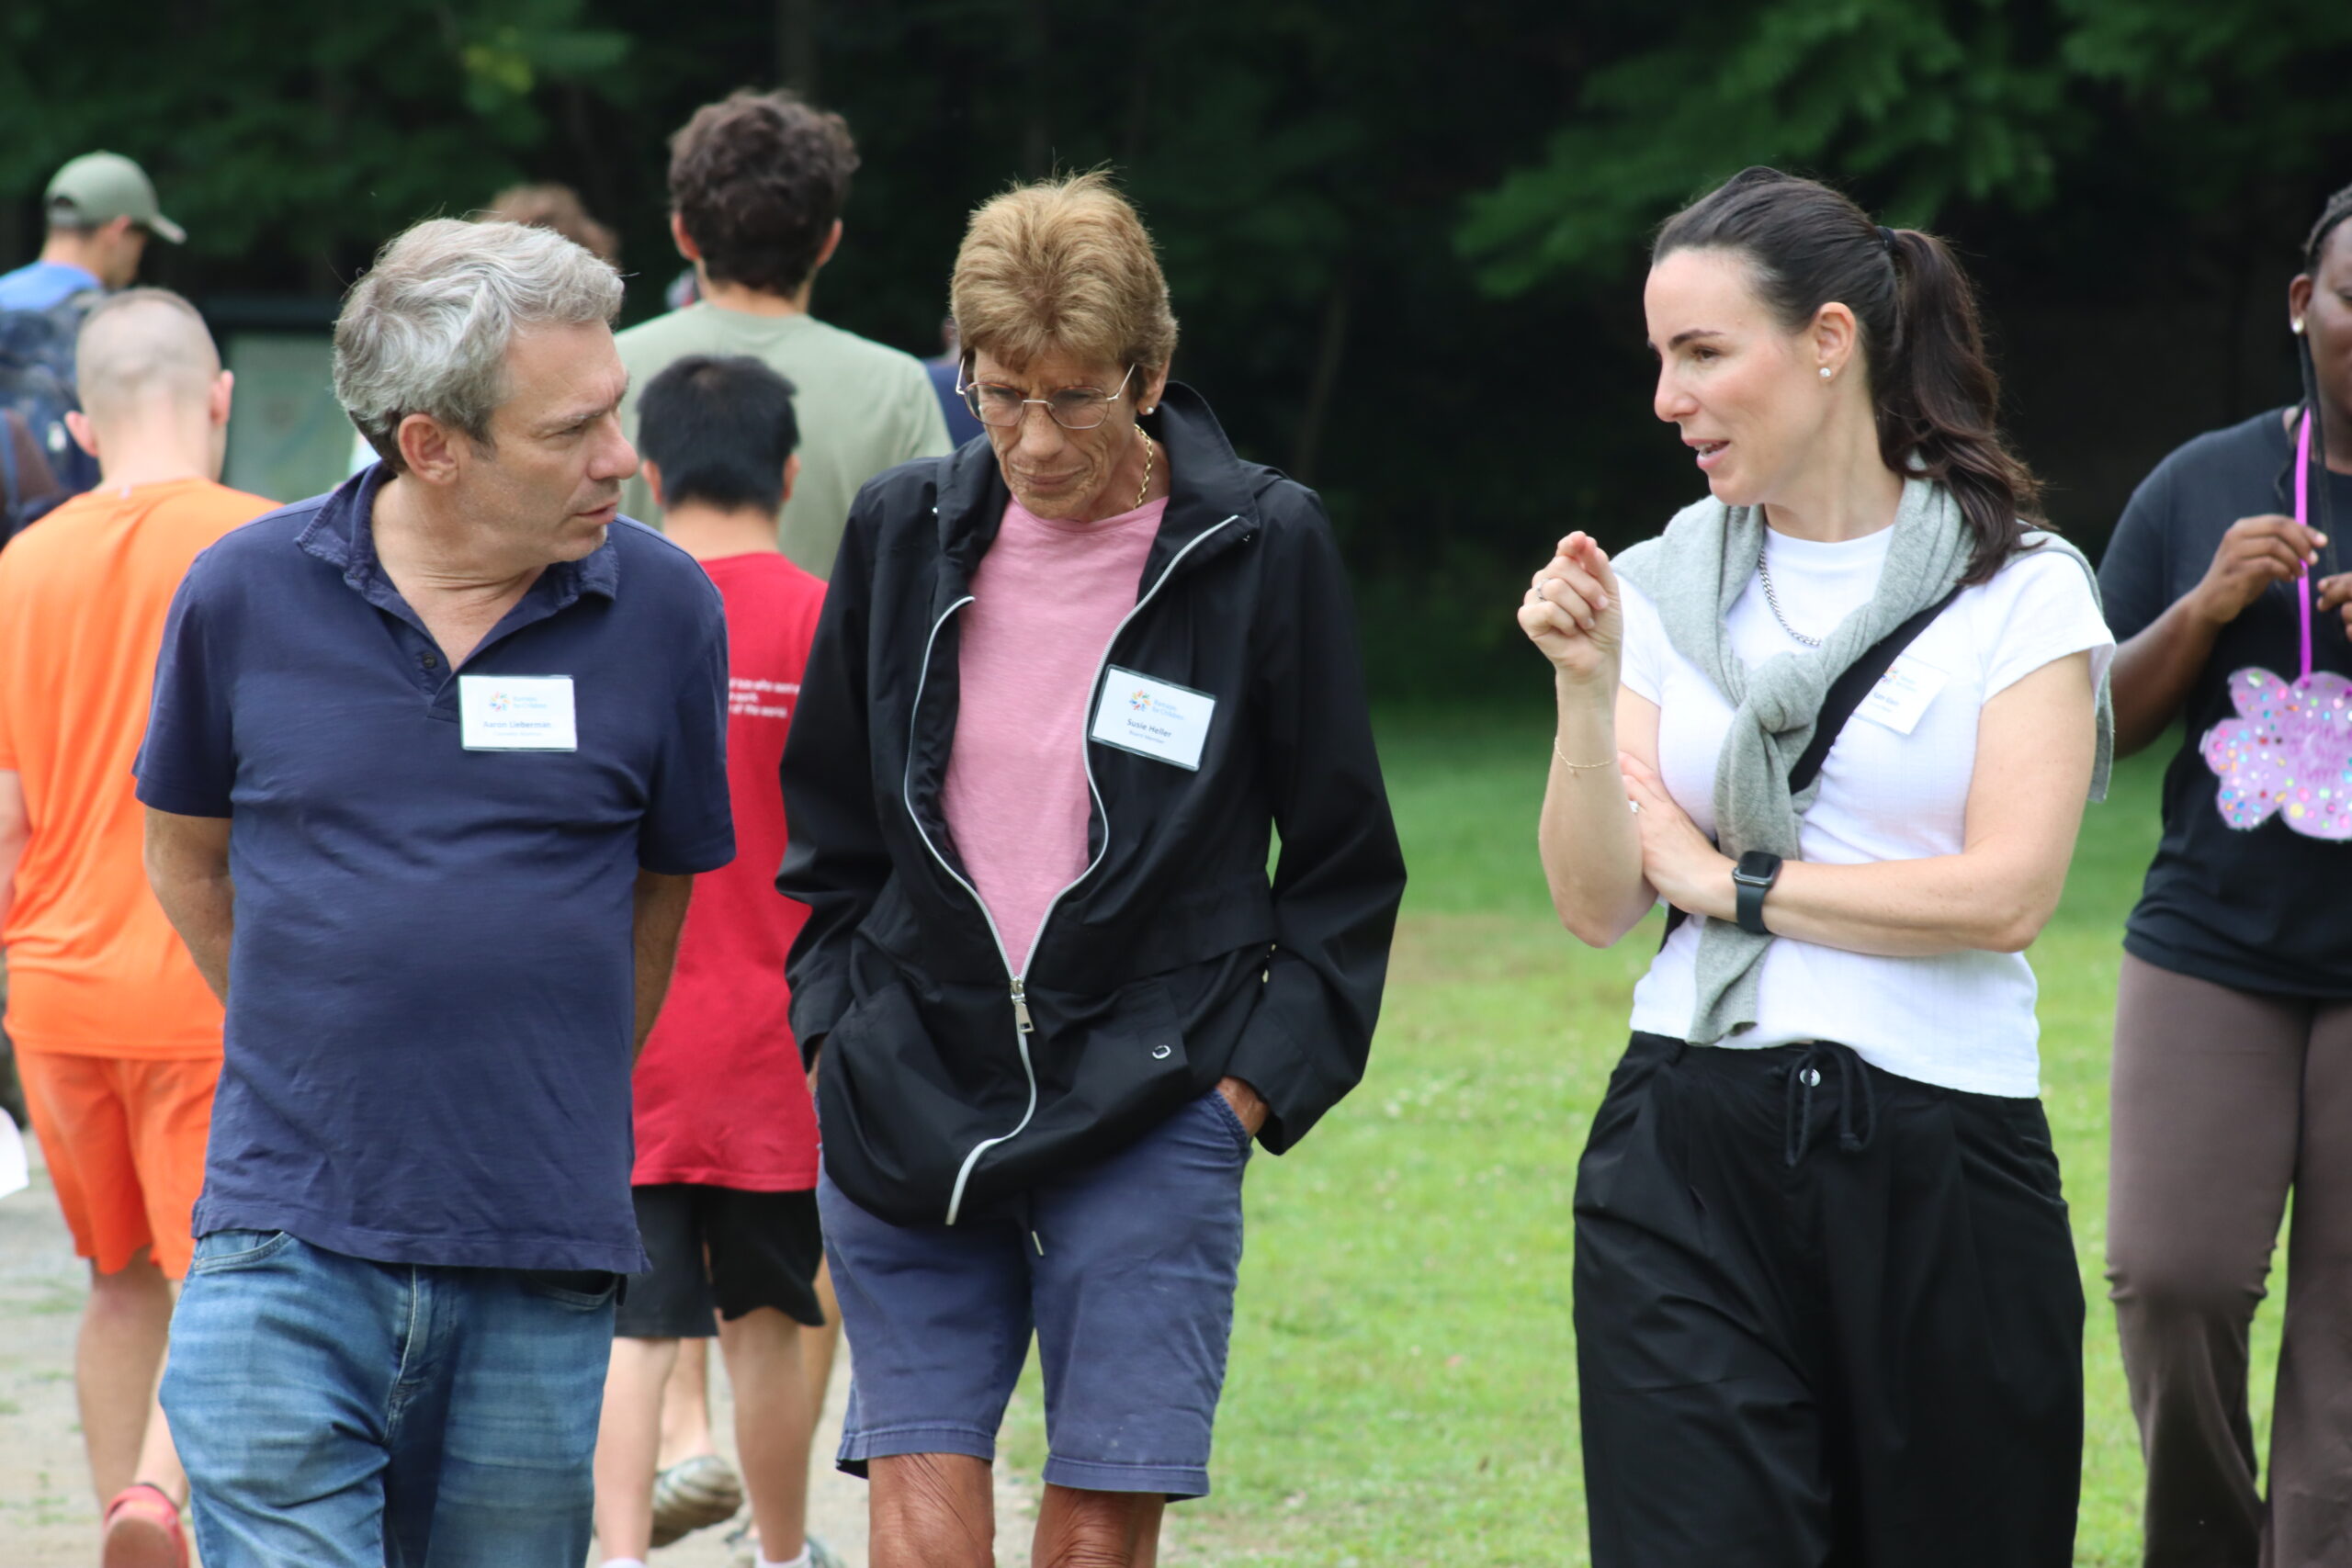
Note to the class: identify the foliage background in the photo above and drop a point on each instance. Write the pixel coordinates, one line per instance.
(1405, 238)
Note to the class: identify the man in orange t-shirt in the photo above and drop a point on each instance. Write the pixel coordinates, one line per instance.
(117, 1038)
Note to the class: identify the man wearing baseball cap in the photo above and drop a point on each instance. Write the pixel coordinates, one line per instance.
(101, 209)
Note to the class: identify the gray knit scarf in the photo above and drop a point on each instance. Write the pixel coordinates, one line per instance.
(1694, 573)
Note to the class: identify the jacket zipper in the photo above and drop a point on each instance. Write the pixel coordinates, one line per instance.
(1021, 1025)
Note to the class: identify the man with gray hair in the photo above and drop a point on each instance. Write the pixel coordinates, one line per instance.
(432, 763)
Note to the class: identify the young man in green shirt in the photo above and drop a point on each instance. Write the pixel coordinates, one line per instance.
(757, 182)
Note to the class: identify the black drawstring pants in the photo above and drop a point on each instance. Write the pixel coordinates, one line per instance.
(1827, 1317)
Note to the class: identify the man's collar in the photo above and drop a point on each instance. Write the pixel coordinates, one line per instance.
(342, 533)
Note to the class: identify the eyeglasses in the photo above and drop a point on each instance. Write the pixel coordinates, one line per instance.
(1072, 408)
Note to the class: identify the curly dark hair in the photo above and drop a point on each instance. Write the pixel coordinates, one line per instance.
(758, 179)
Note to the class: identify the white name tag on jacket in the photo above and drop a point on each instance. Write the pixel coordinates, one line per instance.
(1153, 718)
(516, 713)
(1902, 695)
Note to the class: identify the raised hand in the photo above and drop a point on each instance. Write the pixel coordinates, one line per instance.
(2256, 553)
(1573, 615)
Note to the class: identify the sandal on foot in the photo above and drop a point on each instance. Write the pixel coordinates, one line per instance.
(747, 1554)
(144, 1531)
(692, 1494)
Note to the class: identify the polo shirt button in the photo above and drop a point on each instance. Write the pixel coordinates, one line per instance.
(426, 661)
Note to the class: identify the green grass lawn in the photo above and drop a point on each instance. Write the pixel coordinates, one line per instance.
(1403, 1381)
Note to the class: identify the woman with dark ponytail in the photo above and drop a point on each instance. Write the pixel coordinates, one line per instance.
(1842, 717)
(2232, 1077)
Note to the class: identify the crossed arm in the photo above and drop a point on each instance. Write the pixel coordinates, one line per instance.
(2035, 746)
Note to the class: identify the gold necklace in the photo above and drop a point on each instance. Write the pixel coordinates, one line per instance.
(1144, 488)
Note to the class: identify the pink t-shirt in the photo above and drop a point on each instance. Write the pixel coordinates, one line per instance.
(1044, 603)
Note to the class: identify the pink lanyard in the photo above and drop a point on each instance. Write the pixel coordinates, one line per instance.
(2302, 515)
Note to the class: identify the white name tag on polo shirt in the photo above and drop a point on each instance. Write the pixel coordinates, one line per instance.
(1902, 695)
(516, 713)
(1153, 718)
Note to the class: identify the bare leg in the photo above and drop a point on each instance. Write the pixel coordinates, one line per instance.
(686, 1406)
(117, 1361)
(1097, 1530)
(931, 1511)
(764, 1362)
(818, 1345)
(627, 1442)
(159, 1459)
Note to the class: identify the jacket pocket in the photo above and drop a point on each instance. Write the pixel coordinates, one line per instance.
(1130, 1067)
(898, 1116)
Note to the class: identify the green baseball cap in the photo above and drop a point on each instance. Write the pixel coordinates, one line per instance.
(98, 187)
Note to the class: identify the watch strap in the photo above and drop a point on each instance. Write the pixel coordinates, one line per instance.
(1751, 879)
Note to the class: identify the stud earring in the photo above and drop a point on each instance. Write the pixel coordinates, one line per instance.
(1825, 373)
(2299, 326)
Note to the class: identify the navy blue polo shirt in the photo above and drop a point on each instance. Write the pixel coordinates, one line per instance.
(431, 987)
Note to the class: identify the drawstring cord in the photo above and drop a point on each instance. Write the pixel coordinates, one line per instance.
(1852, 1078)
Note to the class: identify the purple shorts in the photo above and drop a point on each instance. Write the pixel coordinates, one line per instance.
(1124, 1268)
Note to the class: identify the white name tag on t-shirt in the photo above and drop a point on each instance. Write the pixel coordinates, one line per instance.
(516, 713)
(1153, 718)
(1902, 695)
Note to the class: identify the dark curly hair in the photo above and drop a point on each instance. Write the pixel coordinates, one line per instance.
(758, 179)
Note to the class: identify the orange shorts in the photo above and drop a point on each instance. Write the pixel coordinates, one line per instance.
(124, 1141)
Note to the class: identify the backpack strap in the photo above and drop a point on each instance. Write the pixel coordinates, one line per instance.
(1837, 706)
(10, 501)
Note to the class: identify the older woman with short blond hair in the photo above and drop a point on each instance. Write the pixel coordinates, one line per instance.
(1069, 683)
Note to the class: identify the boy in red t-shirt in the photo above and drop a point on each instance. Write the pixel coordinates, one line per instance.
(726, 1137)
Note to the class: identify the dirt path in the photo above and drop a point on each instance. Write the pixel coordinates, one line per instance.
(49, 1521)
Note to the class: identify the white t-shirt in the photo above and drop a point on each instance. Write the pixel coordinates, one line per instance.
(1963, 1020)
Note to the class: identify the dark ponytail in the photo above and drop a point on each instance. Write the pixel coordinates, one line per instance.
(1936, 397)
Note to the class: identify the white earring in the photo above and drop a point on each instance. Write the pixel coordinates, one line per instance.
(1825, 373)
(2299, 326)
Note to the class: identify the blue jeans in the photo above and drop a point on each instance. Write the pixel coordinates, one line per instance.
(335, 1413)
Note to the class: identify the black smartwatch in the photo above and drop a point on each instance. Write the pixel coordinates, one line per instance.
(1751, 879)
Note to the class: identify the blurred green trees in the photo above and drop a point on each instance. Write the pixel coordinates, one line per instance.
(1994, 103)
(312, 130)
(1406, 239)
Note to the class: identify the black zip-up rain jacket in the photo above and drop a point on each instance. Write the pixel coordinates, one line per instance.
(1170, 963)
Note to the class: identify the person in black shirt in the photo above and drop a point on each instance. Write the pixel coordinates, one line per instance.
(2233, 1017)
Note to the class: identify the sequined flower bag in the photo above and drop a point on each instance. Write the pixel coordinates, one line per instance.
(2289, 751)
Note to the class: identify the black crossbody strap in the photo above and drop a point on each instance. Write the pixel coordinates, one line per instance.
(1845, 695)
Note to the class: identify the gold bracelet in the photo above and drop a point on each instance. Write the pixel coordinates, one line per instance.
(1576, 767)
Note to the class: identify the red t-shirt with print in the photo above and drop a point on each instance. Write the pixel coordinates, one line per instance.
(721, 1100)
